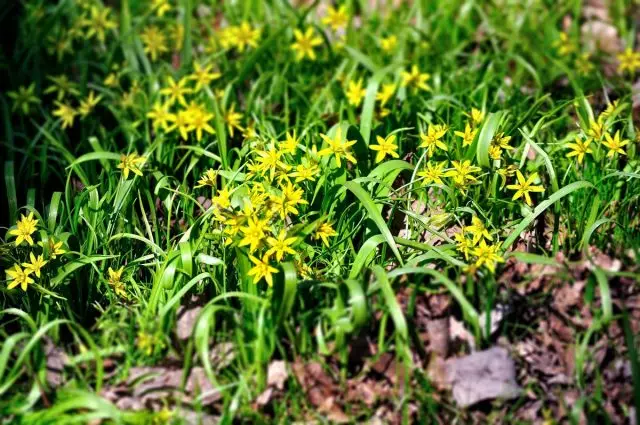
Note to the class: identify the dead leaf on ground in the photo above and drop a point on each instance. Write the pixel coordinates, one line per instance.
(186, 321)
(56, 361)
(277, 375)
(483, 375)
(151, 387)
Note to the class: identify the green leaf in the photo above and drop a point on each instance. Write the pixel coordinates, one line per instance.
(374, 215)
(74, 265)
(540, 209)
(365, 255)
(487, 132)
(10, 183)
(284, 292)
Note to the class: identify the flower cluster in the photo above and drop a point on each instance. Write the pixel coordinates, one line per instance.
(21, 273)
(598, 136)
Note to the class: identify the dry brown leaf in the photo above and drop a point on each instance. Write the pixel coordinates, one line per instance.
(483, 375)
(186, 321)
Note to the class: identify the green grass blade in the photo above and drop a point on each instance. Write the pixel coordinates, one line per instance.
(375, 216)
(541, 208)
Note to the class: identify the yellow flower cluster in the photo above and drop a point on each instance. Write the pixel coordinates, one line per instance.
(599, 131)
(472, 243)
(260, 213)
(193, 117)
(20, 274)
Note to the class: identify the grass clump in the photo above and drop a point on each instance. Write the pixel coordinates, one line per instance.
(297, 179)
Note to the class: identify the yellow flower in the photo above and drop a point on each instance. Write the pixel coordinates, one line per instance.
(160, 115)
(338, 147)
(17, 276)
(487, 255)
(55, 248)
(478, 230)
(462, 172)
(203, 75)
(415, 79)
(463, 244)
(249, 132)
(87, 105)
(305, 172)
(253, 233)
(232, 118)
(506, 172)
(291, 197)
(564, 45)
(580, 148)
(336, 19)
(244, 35)
(131, 163)
(388, 44)
(384, 112)
(431, 140)
(225, 37)
(290, 145)
(324, 232)
(596, 129)
(502, 141)
(207, 179)
(24, 229)
(61, 86)
(181, 122)
(60, 45)
(304, 44)
(99, 23)
(176, 34)
(584, 65)
(433, 173)
(608, 110)
(495, 152)
(385, 93)
(468, 135)
(269, 160)
(160, 7)
(386, 146)
(198, 119)
(629, 61)
(115, 280)
(262, 269)
(614, 144)
(304, 270)
(115, 275)
(524, 187)
(23, 98)
(155, 42)
(476, 116)
(280, 246)
(111, 80)
(223, 199)
(355, 92)
(35, 265)
(176, 91)
(147, 343)
(66, 114)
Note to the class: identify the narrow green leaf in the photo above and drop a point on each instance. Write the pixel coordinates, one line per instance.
(540, 209)
(375, 216)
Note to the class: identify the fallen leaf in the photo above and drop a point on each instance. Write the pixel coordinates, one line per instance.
(277, 374)
(56, 361)
(186, 321)
(483, 375)
(438, 330)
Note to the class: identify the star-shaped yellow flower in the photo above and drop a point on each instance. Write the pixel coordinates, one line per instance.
(25, 228)
(525, 186)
